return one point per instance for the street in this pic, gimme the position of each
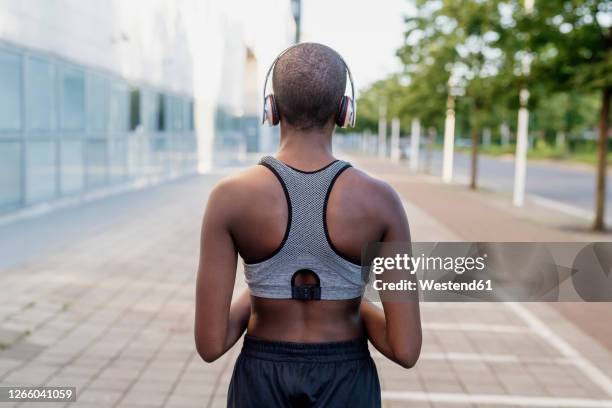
(571, 186)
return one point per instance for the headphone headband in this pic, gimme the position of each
(348, 71)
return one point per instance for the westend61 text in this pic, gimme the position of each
(432, 285)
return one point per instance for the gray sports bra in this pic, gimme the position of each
(306, 245)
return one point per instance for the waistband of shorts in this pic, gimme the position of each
(305, 352)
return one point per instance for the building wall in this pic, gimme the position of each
(101, 93)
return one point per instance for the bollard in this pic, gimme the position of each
(395, 140)
(505, 134)
(522, 145)
(486, 137)
(449, 142)
(382, 137)
(414, 144)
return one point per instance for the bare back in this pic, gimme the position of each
(356, 214)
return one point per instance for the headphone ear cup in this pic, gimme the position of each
(276, 116)
(270, 112)
(349, 119)
(266, 111)
(342, 111)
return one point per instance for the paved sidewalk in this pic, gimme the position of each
(497, 354)
(112, 313)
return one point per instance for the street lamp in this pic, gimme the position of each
(522, 131)
(296, 8)
(520, 163)
(449, 131)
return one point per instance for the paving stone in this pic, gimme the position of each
(102, 397)
(185, 401)
(22, 351)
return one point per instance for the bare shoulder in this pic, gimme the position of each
(243, 182)
(374, 193)
(378, 201)
(232, 193)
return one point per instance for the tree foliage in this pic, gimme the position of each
(561, 51)
(481, 45)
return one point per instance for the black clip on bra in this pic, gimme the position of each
(309, 291)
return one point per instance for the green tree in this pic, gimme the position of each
(564, 116)
(571, 45)
(387, 92)
(452, 44)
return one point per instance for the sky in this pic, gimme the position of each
(366, 33)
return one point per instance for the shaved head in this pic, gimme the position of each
(309, 80)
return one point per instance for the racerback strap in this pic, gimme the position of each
(306, 245)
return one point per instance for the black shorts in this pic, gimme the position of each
(282, 374)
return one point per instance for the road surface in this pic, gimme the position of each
(572, 187)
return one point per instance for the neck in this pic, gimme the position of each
(305, 149)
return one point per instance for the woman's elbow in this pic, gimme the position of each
(408, 355)
(208, 356)
(207, 351)
(407, 359)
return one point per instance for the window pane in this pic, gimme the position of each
(176, 112)
(191, 115)
(97, 106)
(250, 129)
(95, 157)
(119, 108)
(161, 112)
(134, 109)
(10, 89)
(72, 166)
(40, 171)
(118, 160)
(157, 153)
(137, 155)
(39, 95)
(10, 174)
(73, 99)
(150, 110)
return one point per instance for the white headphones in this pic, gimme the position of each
(347, 109)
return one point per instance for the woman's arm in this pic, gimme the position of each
(394, 330)
(239, 315)
(404, 351)
(219, 322)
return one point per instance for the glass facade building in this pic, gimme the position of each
(104, 97)
(67, 129)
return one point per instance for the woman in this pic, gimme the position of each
(299, 221)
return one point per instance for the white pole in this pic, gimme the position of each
(382, 136)
(364, 142)
(522, 131)
(449, 142)
(374, 143)
(520, 162)
(505, 134)
(414, 144)
(560, 139)
(486, 137)
(395, 140)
